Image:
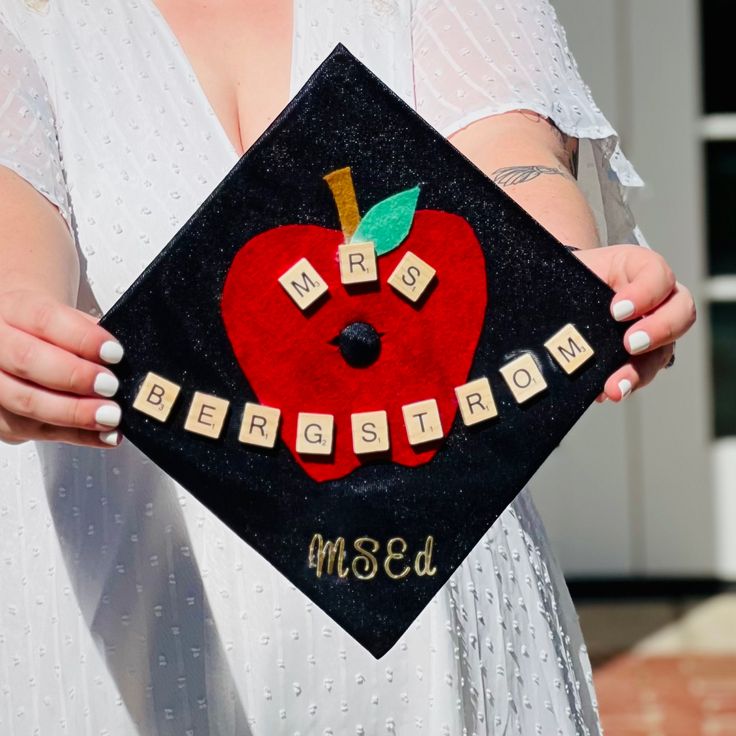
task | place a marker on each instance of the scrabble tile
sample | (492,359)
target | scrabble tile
(357,263)
(156,396)
(422,422)
(412,276)
(569,348)
(303,284)
(475,400)
(370,432)
(206,415)
(314,433)
(260,425)
(523,377)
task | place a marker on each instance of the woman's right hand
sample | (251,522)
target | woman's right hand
(53,384)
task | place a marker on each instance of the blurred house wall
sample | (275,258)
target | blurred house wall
(629,491)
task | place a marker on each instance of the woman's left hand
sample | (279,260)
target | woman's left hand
(647,294)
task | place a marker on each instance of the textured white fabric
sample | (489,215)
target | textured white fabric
(479,58)
(126,607)
(28,143)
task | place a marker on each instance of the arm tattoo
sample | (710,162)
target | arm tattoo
(511,175)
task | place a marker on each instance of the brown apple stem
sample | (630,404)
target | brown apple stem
(340,183)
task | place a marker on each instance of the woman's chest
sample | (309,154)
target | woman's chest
(240,53)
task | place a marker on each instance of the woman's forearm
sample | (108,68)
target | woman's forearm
(53,381)
(37,252)
(526,156)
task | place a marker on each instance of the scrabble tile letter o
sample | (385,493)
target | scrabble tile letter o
(523,377)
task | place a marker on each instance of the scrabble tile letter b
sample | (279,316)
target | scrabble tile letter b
(156,397)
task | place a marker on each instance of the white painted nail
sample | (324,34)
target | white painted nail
(106,385)
(623,309)
(111,351)
(624,386)
(639,341)
(109,415)
(110,438)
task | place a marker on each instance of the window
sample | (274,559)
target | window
(718,22)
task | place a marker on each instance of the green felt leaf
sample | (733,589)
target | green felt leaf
(387,223)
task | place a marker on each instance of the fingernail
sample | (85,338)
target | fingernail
(623,309)
(624,386)
(111,351)
(110,438)
(109,415)
(106,385)
(638,341)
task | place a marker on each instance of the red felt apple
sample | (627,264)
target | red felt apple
(293,361)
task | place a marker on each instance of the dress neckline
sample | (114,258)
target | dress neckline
(167,33)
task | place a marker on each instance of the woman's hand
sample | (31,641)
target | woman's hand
(529,157)
(661,310)
(51,377)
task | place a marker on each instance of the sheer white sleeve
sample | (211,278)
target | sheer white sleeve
(474,58)
(28,142)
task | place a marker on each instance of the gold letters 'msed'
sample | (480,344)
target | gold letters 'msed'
(326,556)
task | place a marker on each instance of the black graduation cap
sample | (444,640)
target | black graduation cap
(361,436)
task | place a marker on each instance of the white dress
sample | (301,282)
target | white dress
(125,605)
